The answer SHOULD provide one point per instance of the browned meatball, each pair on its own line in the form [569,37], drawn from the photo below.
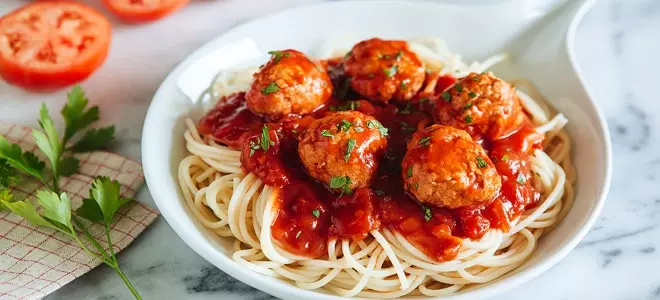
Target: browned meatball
[482,104]
[445,167]
[343,149]
[289,83]
[382,70]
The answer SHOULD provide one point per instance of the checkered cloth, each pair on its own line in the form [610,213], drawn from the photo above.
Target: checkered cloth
[35,261]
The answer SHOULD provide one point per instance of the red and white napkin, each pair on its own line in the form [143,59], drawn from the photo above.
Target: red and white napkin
[35,261]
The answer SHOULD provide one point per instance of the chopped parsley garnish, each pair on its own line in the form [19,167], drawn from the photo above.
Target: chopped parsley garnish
[428,214]
[350,145]
[413,185]
[265,138]
[316,213]
[467,106]
[459,87]
[391,71]
[409,172]
[344,126]
[277,55]
[253,147]
[521,178]
[425,141]
[343,88]
[481,163]
[350,105]
[375,124]
[379,192]
[505,157]
[359,129]
[476,78]
[472,95]
[468,119]
[398,54]
[406,128]
[270,88]
[326,133]
[446,96]
[298,234]
[341,182]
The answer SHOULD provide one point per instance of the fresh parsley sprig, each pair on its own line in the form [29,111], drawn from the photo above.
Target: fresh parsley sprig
[54,208]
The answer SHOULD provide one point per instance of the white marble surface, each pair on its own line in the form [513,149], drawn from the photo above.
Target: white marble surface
[618,46]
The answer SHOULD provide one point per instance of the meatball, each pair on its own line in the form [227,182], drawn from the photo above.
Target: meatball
[289,83]
[343,149]
[482,104]
[444,167]
[382,70]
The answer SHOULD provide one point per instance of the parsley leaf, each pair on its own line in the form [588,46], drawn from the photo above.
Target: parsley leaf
[265,138]
[8,174]
[56,209]
[326,133]
[48,140]
[95,139]
[391,71]
[467,106]
[341,182]
[316,213]
[446,96]
[521,178]
[481,163]
[409,172]
[468,119]
[26,210]
[472,95]
[428,214]
[344,126]
[459,87]
[69,166]
[425,141]
[350,145]
[23,161]
[90,210]
[270,88]
[278,55]
[505,157]
[75,115]
[106,194]
[371,124]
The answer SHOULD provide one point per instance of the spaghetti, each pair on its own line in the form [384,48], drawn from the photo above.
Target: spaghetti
[384,264]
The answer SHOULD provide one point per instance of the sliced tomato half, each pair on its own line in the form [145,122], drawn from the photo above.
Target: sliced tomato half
[143,10]
[52,44]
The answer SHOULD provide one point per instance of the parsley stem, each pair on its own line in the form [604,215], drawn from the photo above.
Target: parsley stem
[127,282]
[111,248]
[91,238]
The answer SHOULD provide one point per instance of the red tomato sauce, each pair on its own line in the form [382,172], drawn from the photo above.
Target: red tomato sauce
[309,214]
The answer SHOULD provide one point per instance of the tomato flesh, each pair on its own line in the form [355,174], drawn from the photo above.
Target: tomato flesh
[52,44]
[143,10]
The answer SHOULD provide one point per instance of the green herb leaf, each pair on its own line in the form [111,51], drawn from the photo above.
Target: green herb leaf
[278,55]
[468,119]
[459,87]
[344,126]
[349,147]
[69,166]
[90,210]
[481,163]
[425,141]
[326,133]
[253,147]
[8,174]
[391,71]
[106,194]
[371,124]
[446,96]
[270,88]
[74,113]
[26,210]
[409,172]
[472,95]
[521,178]
[505,157]
[49,140]
[398,54]
[428,214]
[358,129]
[95,139]
[23,161]
[56,209]
[341,182]
[316,213]
[265,138]
[467,106]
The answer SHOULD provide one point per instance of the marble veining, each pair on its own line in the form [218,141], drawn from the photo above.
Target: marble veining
[617,47]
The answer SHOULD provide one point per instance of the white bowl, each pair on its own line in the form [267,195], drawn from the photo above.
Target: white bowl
[542,51]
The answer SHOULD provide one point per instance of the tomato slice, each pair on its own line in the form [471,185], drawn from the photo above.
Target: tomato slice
[143,10]
[52,44]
